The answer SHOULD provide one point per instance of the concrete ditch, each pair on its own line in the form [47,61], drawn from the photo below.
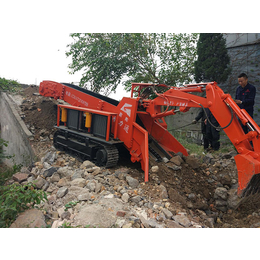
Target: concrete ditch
[15,132]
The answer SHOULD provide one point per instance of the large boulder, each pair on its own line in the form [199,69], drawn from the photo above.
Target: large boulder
[101,215]
[32,218]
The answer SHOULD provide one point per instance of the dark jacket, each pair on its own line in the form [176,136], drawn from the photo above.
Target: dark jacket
[247,96]
[212,119]
[201,115]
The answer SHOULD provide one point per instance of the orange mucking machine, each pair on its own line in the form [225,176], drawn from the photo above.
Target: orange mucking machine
[94,126]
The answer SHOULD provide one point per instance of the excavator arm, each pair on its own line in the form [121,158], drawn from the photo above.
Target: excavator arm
[227,113]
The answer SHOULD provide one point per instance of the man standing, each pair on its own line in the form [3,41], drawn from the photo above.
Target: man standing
[201,115]
[245,96]
[210,133]
[212,130]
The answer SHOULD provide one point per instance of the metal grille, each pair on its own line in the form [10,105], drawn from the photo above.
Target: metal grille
[99,126]
[73,119]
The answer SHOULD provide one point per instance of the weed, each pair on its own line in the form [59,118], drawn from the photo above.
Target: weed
[7,172]
[70,205]
[66,225]
[3,144]
[16,198]
[89,226]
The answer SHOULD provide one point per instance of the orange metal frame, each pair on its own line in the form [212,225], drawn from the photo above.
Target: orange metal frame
[93,111]
[135,137]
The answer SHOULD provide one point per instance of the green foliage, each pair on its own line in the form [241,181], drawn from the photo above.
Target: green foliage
[16,198]
[87,226]
[109,58]
[9,85]
[3,144]
[213,60]
[70,204]
[66,225]
[6,172]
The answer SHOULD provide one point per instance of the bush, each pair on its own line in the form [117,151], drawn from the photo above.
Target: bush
[16,198]
[8,85]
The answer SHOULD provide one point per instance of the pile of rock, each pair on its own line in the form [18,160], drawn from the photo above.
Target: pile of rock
[84,195]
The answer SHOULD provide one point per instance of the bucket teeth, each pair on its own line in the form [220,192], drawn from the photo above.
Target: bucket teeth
[253,186]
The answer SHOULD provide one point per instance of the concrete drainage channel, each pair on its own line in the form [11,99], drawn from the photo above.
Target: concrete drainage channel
[14,130]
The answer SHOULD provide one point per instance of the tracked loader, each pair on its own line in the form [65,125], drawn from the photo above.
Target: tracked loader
[94,126]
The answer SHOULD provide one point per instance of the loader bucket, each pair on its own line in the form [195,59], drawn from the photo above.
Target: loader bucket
[248,170]
[253,186]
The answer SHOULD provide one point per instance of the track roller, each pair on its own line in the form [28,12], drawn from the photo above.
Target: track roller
[107,156]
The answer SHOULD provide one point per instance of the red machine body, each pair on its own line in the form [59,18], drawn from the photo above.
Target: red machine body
[139,122]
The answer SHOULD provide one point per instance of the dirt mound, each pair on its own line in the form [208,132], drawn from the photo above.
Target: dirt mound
[190,186]
[39,111]
[39,114]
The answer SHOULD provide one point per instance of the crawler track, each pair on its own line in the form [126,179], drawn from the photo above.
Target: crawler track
[102,154]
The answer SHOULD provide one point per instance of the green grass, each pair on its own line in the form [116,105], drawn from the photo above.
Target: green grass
[225,146]
[191,147]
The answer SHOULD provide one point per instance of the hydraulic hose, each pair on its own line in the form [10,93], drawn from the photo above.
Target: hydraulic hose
[217,127]
[162,96]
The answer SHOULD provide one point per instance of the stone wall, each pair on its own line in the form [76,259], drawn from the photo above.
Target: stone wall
[244,53]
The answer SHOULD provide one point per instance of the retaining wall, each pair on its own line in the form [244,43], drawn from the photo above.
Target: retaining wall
[14,130]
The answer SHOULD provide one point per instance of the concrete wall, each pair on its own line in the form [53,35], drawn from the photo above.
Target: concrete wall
[15,132]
